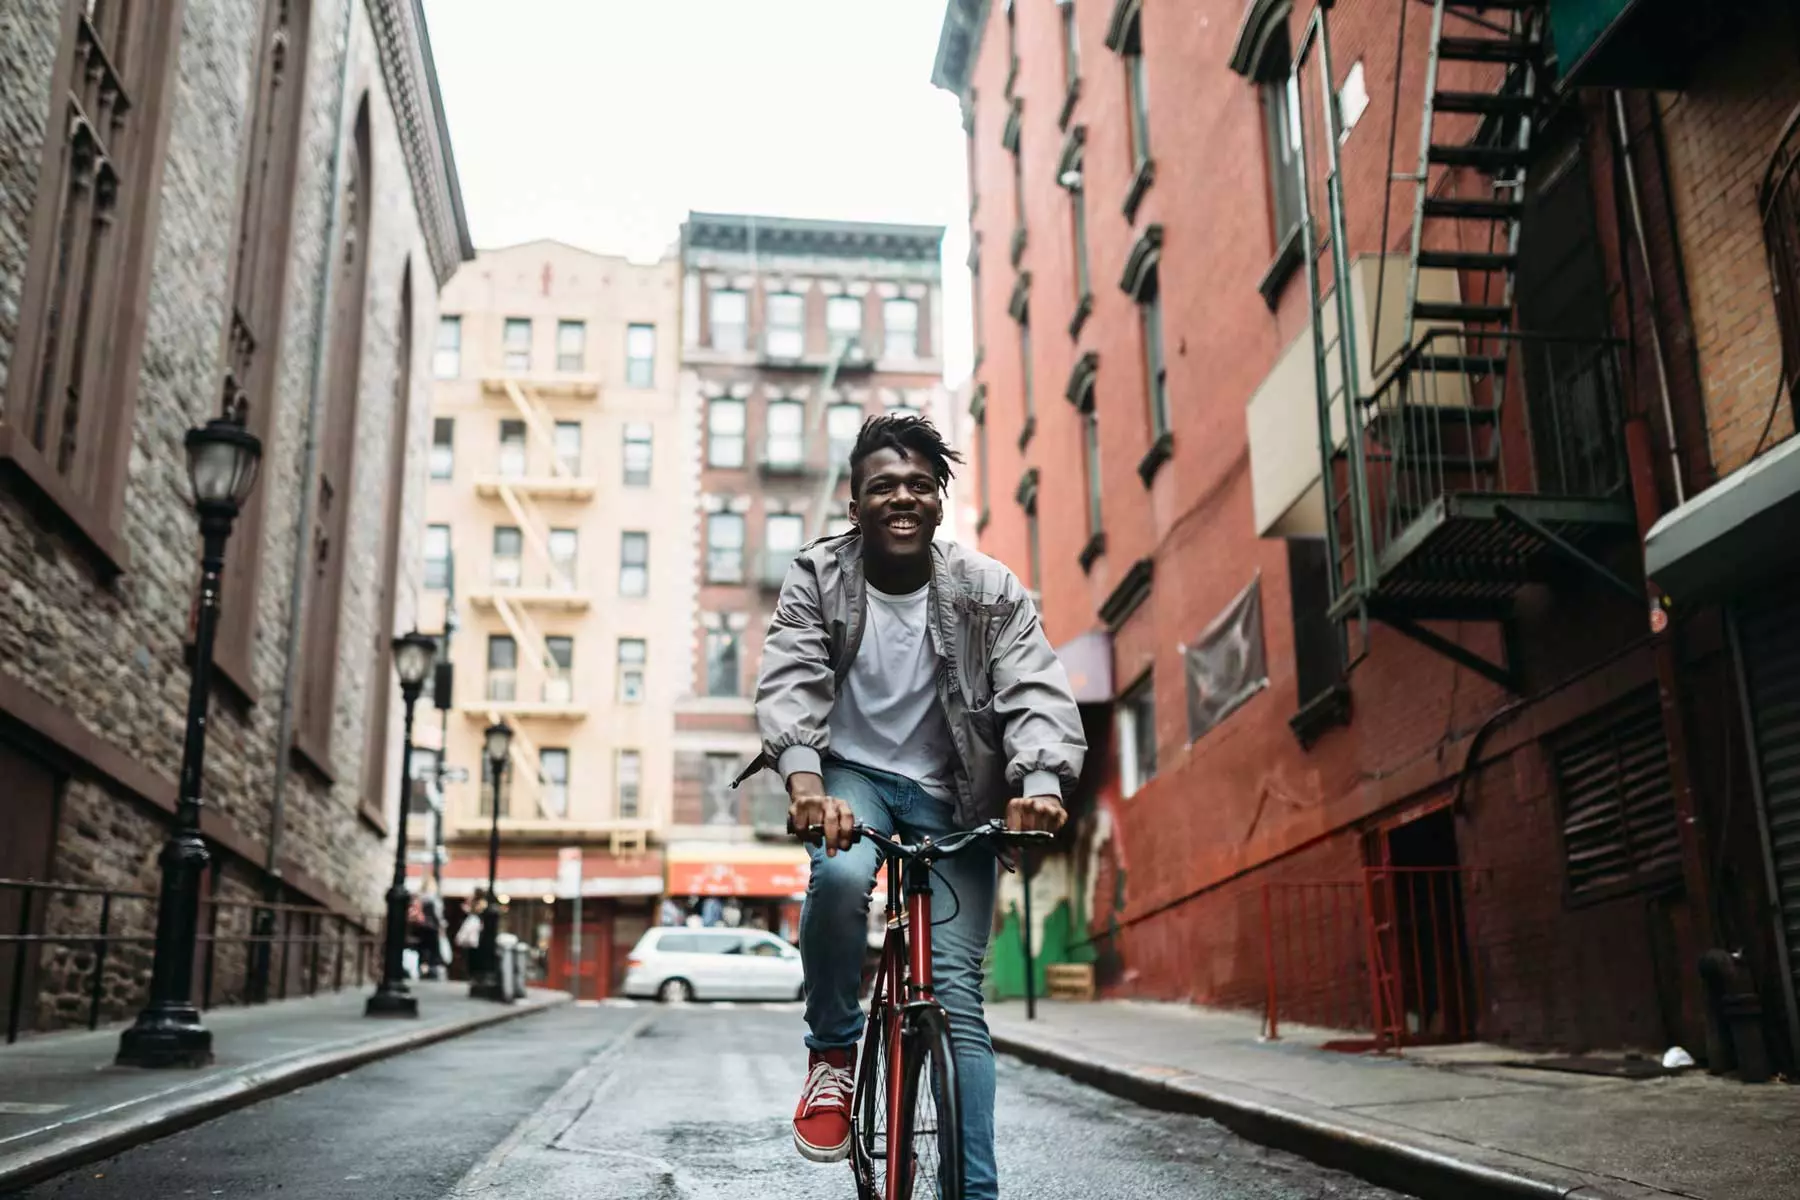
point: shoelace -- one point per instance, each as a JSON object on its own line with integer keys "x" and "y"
{"x": 826, "y": 1088}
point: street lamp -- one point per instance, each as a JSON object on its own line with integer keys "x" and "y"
{"x": 485, "y": 981}
{"x": 222, "y": 462}
{"x": 413, "y": 654}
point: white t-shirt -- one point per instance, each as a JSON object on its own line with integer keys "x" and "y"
{"x": 887, "y": 714}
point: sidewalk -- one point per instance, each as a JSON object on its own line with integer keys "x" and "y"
{"x": 63, "y": 1102}
{"x": 1460, "y": 1121}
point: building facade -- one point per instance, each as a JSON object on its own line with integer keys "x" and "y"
{"x": 793, "y": 332}
{"x": 214, "y": 202}
{"x": 558, "y": 536}
{"x": 1336, "y": 481}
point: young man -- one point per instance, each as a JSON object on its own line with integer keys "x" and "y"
{"x": 906, "y": 684}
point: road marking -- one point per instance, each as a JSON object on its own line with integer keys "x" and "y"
{"x": 18, "y": 1108}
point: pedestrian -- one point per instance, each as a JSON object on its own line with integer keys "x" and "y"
{"x": 468, "y": 934}
{"x": 426, "y": 925}
{"x": 906, "y": 684}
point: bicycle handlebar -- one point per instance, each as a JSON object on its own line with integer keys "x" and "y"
{"x": 950, "y": 845}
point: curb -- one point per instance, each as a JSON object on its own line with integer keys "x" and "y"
{"x": 1412, "y": 1167}
{"x": 253, "y": 1084}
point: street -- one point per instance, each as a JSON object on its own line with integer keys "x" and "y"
{"x": 631, "y": 1103}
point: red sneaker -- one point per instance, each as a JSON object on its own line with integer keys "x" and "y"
{"x": 822, "y": 1120}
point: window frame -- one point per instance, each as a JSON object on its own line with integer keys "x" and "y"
{"x": 627, "y": 539}
{"x": 557, "y": 670}
{"x": 625, "y": 666}
{"x": 496, "y": 556}
{"x": 794, "y": 439}
{"x": 446, "y": 322}
{"x": 510, "y": 352}
{"x": 571, "y": 361}
{"x": 447, "y": 445}
{"x": 841, "y": 446}
{"x": 715, "y": 439}
{"x": 898, "y": 351}
{"x": 444, "y": 584}
{"x": 630, "y": 476}
{"x": 562, "y": 580}
{"x": 508, "y": 675}
{"x": 523, "y": 442}
{"x": 722, "y": 644}
{"x": 843, "y": 302}
{"x": 634, "y": 756}
{"x": 546, "y": 782}
{"x": 1134, "y": 703}
{"x": 561, "y": 452}
{"x": 640, "y": 369}
{"x": 771, "y": 329}
{"x": 713, "y": 325}
{"x": 719, "y": 520}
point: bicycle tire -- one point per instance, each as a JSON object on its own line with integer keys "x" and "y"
{"x": 868, "y": 1107}
{"x": 928, "y": 1066}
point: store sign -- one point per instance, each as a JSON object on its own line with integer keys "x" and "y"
{"x": 747, "y": 879}
{"x": 568, "y": 872}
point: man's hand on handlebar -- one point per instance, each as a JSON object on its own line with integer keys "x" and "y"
{"x": 808, "y": 805}
{"x": 1026, "y": 813}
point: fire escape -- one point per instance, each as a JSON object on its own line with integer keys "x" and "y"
{"x": 1483, "y": 456}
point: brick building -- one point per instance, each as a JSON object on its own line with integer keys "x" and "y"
{"x": 558, "y": 524}
{"x": 1387, "y": 719}
{"x": 203, "y": 196}
{"x": 793, "y": 331}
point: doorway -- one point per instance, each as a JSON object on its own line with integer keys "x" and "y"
{"x": 26, "y": 852}
{"x": 1424, "y": 976}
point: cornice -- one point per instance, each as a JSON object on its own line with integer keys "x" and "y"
{"x": 410, "y": 73}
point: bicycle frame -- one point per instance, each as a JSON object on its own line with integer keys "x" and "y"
{"x": 905, "y": 974}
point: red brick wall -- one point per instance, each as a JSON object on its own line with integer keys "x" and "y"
{"x": 1721, "y": 133}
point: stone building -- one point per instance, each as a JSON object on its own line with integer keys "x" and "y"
{"x": 559, "y": 526}
{"x": 197, "y": 197}
{"x": 793, "y": 332}
{"x": 1333, "y": 437}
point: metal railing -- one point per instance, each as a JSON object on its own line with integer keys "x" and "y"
{"x": 1442, "y": 422}
{"x": 100, "y": 941}
{"x": 1387, "y": 956}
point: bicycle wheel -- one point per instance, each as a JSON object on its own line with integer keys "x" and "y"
{"x": 928, "y": 1128}
{"x": 868, "y": 1107}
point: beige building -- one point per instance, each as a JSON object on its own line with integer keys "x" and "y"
{"x": 558, "y": 532}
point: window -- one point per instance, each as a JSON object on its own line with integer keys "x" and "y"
{"x": 446, "y": 360}
{"x": 634, "y": 563}
{"x": 844, "y": 320}
{"x": 1071, "y": 178}
{"x": 785, "y": 321}
{"x": 1028, "y": 488}
{"x": 638, "y": 453}
{"x": 631, "y": 783}
{"x": 72, "y": 382}
{"x": 553, "y": 781}
{"x": 978, "y": 410}
{"x": 487, "y": 788}
{"x": 1090, "y": 458}
{"x": 1620, "y": 829}
{"x": 571, "y": 345}
{"x": 515, "y": 343}
{"x": 1137, "y": 736}
{"x": 1142, "y": 281}
{"x": 721, "y": 801}
{"x": 842, "y": 423}
{"x": 786, "y": 445}
{"x": 900, "y": 329}
{"x": 437, "y": 557}
{"x": 1026, "y": 374}
{"x": 783, "y": 535}
{"x": 725, "y": 433}
{"x": 1281, "y": 129}
{"x": 337, "y": 459}
{"x": 633, "y": 654}
{"x": 512, "y": 449}
{"x": 509, "y": 545}
{"x": 730, "y": 315}
{"x": 1018, "y": 167}
{"x": 563, "y": 544}
{"x": 1155, "y": 365}
{"x": 559, "y": 670}
{"x": 502, "y": 668}
{"x": 725, "y": 547}
{"x": 1137, "y": 94}
{"x": 640, "y": 356}
{"x": 1071, "y": 45}
{"x": 568, "y": 446}
{"x": 443, "y": 447}
{"x": 723, "y": 650}
{"x": 1318, "y": 653}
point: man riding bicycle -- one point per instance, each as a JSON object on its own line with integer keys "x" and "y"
{"x": 906, "y": 685}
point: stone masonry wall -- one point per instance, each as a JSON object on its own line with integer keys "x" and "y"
{"x": 109, "y": 654}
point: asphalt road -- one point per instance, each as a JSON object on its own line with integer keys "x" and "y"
{"x": 655, "y": 1103}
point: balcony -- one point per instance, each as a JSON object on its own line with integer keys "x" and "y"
{"x": 548, "y": 387}
{"x": 1451, "y": 500}
{"x": 543, "y": 487}
{"x": 565, "y": 711}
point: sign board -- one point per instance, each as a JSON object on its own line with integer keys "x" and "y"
{"x": 420, "y": 858}
{"x": 456, "y": 775}
{"x": 568, "y": 871}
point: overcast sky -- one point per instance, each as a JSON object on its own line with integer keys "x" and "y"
{"x": 602, "y": 122}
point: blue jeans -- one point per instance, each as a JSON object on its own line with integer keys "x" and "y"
{"x": 834, "y": 928}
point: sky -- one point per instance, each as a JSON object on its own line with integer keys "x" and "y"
{"x": 603, "y": 122}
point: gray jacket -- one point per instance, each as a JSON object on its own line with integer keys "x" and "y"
{"x": 1006, "y": 699}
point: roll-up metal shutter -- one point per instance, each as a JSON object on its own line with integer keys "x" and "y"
{"x": 1768, "y": 630}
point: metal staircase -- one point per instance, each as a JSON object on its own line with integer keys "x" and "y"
{"x": 1477, "y": 458}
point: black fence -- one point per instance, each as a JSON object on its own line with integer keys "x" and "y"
{"x": 77, "y": 955}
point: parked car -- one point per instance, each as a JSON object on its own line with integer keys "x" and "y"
{"x": 674, "y": 963}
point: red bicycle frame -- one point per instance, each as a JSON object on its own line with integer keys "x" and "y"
{"x": 905, "y": 974}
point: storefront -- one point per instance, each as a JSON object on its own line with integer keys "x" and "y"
{"x": 759, "y": 885}
{"x": 1734, "y": 544}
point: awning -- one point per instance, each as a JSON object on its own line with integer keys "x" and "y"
{"x": 1088, "y": 660}
{"x": 535, "y": 874}
{"x": 748, "y": 870}
{"x": 1631, "y": 43}
{"x": 1733, "y": 534}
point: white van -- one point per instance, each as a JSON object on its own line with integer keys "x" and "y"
{"x": 673, "y": 962}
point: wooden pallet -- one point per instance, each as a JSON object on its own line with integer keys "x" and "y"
{"x": 1069, "y": 981}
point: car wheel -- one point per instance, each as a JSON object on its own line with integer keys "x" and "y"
{"x": 675, "y": 991}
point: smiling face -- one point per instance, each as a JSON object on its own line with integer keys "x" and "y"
{"x": 897, "y": 505}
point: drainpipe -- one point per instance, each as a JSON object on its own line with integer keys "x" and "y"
{"x": 308, "y": 484}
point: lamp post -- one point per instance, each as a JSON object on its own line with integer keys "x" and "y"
{"x": 413, "y": 653}
{"x": 222, "y": 463}
{"x": 485, "y": 981}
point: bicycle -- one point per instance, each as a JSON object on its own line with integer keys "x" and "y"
{"x": 910, "y": 1101}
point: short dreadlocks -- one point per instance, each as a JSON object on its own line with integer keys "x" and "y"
{"x": 903, "y": 432}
